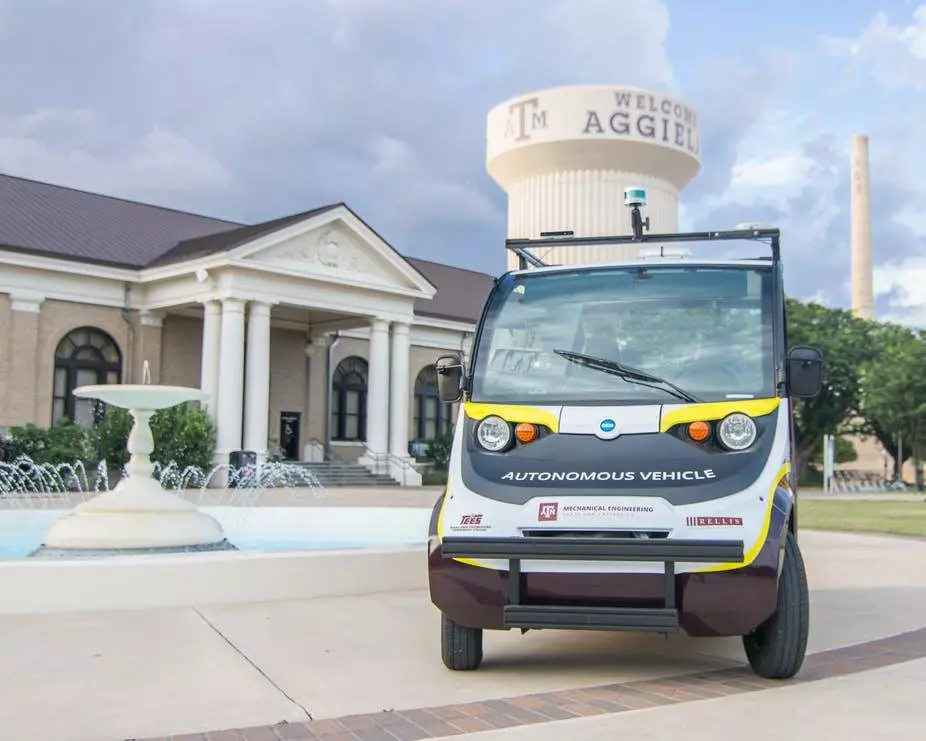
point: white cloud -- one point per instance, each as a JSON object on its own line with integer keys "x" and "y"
{"x": 253, "y": 110}
{"x": 895, "y": 55}
{"x": 902, "y": 282}
{"x": 161, "y": 165}
{"x": 391, "y": 155}
{"x": 792, "y": 169}
{"x": 166, "y": 161}
{"x": 787, "y": 169}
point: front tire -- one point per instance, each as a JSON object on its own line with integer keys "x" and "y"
{"x": 776, "y": 648}
{"x": 461, "y": 647}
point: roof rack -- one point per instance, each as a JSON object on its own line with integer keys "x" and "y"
{"x": 634, "y": 198}
{"x": 522, "y": 247}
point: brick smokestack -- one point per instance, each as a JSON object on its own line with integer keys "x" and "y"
{"x": 862, "y": 269}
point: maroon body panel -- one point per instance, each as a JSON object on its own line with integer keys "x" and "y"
{"x": 723, "y": 603}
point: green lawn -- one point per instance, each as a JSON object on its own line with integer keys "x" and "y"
{"x": 893, "y": 518}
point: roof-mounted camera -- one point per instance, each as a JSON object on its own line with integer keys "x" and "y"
{"x": 634, "y": 198}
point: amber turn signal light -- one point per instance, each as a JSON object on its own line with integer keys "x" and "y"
{"x": 699, "y": 431}
{"x": 525, "y": 432}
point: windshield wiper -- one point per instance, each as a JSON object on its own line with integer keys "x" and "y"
{"x": 625, "y": 372}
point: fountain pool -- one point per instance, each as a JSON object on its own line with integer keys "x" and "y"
{"x": 257, "y": 529}
{"x": 70, "y": 543}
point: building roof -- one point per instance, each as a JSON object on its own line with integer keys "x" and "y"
{"x": 63, "y": 222}
{"x": 56, "y": 221}
{"x": 460, "y": 293}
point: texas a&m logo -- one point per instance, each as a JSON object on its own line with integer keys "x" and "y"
{"x": 548, "y": 511}
{"x": 714, "y": 521}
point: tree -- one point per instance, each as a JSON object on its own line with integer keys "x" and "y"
{"x": 183, "y": 435}
{"x": 845, "y": 452}
{"x": 63, "y": 442}
{"x": 846, "y": 343}
{"x": 893, "y": 392}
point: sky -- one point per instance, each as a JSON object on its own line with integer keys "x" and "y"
{"x": 253, "y": 110}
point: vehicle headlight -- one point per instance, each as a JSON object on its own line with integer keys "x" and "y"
{"x": 493, "y": 433}
{"x": 738, "y": 431}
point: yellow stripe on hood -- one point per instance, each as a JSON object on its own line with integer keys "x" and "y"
{"x": 513, "y": 413}
{"x": 716, "y": 410}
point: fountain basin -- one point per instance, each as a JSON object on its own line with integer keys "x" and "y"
{"x": 138, "y": 515}
{"x": 142, "y": 397}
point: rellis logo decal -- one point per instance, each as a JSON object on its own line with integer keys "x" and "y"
{"x": 714, "y": 521}
{"x": 548, "y": 511}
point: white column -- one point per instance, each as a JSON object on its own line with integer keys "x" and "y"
{"x": 231, "y": 383}
{"x": 398, "y": 396}
{"x": 378, "y": 388}
{"x": 209, "y": 371}
{"x": 257, "y": 378}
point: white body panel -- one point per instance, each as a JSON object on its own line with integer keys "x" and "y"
{"x": 627, "y": 420}
{"x": 743, "y": 515}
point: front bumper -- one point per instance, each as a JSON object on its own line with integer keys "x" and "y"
{"x": 712, "y": 603}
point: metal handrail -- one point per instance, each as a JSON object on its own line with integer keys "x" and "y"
{"x": 326, "y": 453}
{"x": 404, "y": 463}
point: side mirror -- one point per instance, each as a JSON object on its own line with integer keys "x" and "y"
{"x": 804, "y": 371}
{"x": 450, "y": 378}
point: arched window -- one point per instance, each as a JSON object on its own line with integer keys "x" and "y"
{"x": 85, "y": 356}
{"x": 432, "y": 416}
{"x": 349, "y": 400}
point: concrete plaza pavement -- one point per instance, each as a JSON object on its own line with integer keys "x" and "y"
{"x": 885, "y": 703}
{"x": 137, "y": 674}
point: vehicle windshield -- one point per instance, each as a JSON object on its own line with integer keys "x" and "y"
{"x": 707, "y": 330}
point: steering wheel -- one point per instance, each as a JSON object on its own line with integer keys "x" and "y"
{"x": 710, "y": 370}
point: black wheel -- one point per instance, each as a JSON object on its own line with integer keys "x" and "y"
{"x": 461, "y": 648}
{"x": 776, "y": 648}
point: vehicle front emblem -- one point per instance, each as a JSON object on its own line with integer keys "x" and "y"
{"x": 607, "y": 429}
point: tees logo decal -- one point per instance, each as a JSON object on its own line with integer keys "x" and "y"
{"x": 470, "y": 522}
{"x": 714, "y": 521}
{"x": 548, "y": 511}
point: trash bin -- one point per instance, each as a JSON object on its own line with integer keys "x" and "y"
{"x": 237, "y": 460}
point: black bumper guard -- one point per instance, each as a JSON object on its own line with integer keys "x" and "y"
{"x": 654, "y": 620}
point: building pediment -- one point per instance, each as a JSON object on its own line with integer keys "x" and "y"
{"x": 332, "y": 248}
{"x": 329, "y": 252}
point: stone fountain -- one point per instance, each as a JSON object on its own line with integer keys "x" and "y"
{"x": 138, "y": 515}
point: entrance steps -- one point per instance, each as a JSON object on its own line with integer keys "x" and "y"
{"x": 346, "y": 473}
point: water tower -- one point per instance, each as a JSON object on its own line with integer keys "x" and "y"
{"x": 565, "y": 156}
